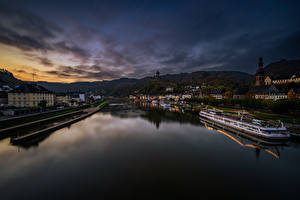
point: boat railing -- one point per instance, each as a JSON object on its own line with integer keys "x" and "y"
{"x": 244, "y": 123}
{"x": 237, "y": 123}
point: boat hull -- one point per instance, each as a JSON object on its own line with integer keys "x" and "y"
{"x": 249, "y": 137}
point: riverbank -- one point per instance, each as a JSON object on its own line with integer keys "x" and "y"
{"x": 90, "y": 111}
{"x": 9, "y": 127}
{"x": 291, "y": 122}
{"x": 31, "y": 118}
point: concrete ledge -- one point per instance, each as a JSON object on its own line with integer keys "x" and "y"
{"x": 6, "y": 130}
{"x": 24, "y": 138}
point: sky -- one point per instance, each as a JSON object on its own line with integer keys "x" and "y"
{"x": 68, "y": 41}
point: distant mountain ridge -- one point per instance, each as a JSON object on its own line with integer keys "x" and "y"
{"x": 126, "y": 86}
{"x": 7, "y": 78}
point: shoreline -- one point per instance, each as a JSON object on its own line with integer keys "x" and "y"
{"x": 23, "y": 138}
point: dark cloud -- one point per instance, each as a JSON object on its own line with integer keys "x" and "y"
{"x": 25, "y": 30}
{"x": 27, "y": 22}
{"x": 85, "y": 72}
{"x": 73, "y": 49}
{"x": 20, "y": 71}
{"x": 23, "y": 42}
{"x": 136, "y": 38}
{"x": 30, "y": 32}
{"x": 58, "y": 73}
{"x": 45, "y": 61}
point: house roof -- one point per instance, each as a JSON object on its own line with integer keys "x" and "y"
{"x": 214, "y": 91}
{"x": 3, "y": 94}
{"x": 267, "y": 90}
{"x": 282, "y": 77}
{"x": 30, "y": 88}
{"x": 240, "y": 91}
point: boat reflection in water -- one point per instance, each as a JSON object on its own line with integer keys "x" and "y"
{"x": 246, "y": 140}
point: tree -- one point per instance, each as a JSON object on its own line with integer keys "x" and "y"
{"x": 250, "y": 94}
{"x": 42, "y": 104}
{"x": 228, "y": 94}
{"x": 291, "y": 94}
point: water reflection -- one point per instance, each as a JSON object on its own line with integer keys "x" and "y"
{"x": 158, "y": 115}
{"x": 152, "y": 113}
{"x": 257, "y": 147}
{"x": 122, "y": 153}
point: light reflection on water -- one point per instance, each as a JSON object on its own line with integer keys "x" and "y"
{"x": 144, "y": 154}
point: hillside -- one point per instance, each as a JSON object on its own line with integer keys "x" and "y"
{"x": 97, "y": 87}
{"x": 283, "y": 69}
{"x": 69, "y": 87}
{"x": 126, "y": 86}
{"x": 214, "y": 78}
{"x": 7, "y": 78}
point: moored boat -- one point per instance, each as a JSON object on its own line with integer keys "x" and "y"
{"x": 154, "y": 102}
{"x": 164, "y": 104}
{"x": 255, "y": 127}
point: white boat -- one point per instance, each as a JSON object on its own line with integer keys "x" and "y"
{"x": 154, "y": 102}
{"x": 255, "y": 127}
{"x": 164, "y": 104}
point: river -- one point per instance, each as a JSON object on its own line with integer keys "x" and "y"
{"x": 129, "y": 152}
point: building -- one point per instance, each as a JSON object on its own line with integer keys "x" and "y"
{"x": 3, "y": 98}
{"x": 156, "y": 75}
{"x": 216, "y": 93}
{"x": 62, "y": 99}
{"x": 292, "y": 79}
{"x": 82, "y": 97}
{"x": 169, "y": 89}
{"x": 6, "y": 88}
{"x": 268, "y": 80}
{"x": 30, "y": 95}
{"x": 294, "y": 94}
{"x": 240, "y": 93}
{"x": 78, "y": 97}
{"x": 96, "y": 97}
{"x": 270, "y": 92}
{"x": 132, "y": 97}
{"x": 186, "y": 96}
{"x": 260, "y": 73}
{"x": 3, "y": 94}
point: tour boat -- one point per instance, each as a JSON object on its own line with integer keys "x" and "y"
{"x": 164, "y": 104}
{"x": 255, "y": 127}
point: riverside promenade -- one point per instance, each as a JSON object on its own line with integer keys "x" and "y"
{"x": 17, "y": 127}
{"x": 88, "y": 111}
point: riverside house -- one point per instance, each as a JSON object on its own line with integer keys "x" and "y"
{"x": 63, "y": 98}
{"x": 29, "y": 95}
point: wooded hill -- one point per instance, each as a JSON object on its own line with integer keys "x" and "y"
{"x": 7, "y": 78}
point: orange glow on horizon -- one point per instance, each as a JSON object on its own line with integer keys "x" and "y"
{"x": 22, "y": 64}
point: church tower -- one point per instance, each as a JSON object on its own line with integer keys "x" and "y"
{"x": 260, "y": 73}
{"x": 156, "y": 75}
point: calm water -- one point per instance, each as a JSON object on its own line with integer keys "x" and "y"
{"x": 146, "y": 154}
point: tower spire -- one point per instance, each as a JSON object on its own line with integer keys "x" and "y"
{"x": 260, "y": 73}
{"x": 260, "y": 62}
